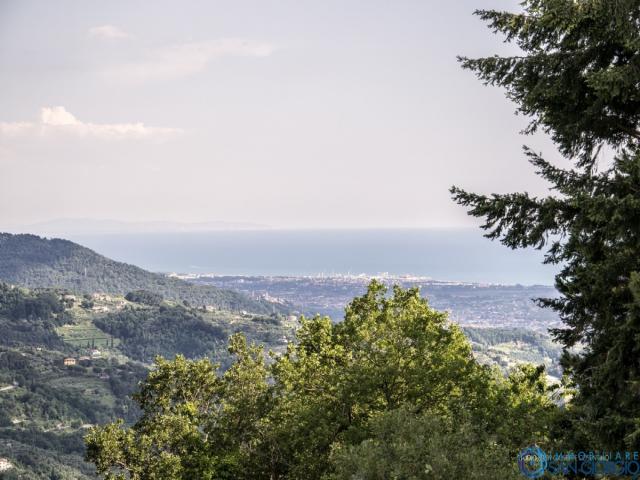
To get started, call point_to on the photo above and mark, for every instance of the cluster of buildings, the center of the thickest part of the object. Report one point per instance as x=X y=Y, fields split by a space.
x=93 y=355
x=469 y=304
x=114 y=303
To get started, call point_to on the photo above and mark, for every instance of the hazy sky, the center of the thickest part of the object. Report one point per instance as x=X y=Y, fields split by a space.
x=288 y=113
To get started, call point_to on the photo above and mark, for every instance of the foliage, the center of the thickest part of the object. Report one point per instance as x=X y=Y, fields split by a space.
x=33 y=463
x=145 y=297
x=407 y=445
x=494 y=336
x=194 y=423
x=30 y=317
x=578 y=80
x=16 y=303
x=332 y=396
x=166 y=331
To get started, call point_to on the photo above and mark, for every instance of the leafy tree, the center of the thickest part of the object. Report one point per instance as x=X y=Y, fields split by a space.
x=577 y=80
x=333 y=395
x=387 y=352
x=167 y=441
x=194 y=423
x=407 y=445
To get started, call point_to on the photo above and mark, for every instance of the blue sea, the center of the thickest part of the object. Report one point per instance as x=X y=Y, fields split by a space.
x=454 y=255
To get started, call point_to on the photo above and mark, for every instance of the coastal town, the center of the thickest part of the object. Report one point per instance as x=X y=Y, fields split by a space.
x=468 y=304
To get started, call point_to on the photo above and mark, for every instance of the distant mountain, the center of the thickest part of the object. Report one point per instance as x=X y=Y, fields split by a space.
x=35 y=262
x=90 y=226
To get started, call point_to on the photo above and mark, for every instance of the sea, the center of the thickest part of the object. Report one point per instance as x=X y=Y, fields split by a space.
x=462 y=255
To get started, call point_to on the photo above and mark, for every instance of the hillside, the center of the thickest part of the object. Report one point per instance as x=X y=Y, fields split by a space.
x=508 y=347
x=37 y=262
x=47 y=405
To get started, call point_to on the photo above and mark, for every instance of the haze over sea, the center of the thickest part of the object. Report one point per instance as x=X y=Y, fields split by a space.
x=454 y=255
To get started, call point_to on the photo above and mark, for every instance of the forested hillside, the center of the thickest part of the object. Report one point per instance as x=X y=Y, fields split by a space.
x=36 y=262
x=68 y=362
x=45 y=405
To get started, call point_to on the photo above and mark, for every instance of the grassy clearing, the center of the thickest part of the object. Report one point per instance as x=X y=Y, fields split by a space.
x=83 y=333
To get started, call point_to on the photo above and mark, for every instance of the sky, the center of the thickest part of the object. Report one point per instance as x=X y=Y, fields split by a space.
x=288 y=113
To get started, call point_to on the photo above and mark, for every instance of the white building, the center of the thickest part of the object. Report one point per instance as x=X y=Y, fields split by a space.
x=5 y=464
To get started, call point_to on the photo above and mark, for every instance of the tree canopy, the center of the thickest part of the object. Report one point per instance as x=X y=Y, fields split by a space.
x=577 y=79
x=325 y=407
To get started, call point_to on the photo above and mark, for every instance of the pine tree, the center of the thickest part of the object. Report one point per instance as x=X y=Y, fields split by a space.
x=578 y=81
